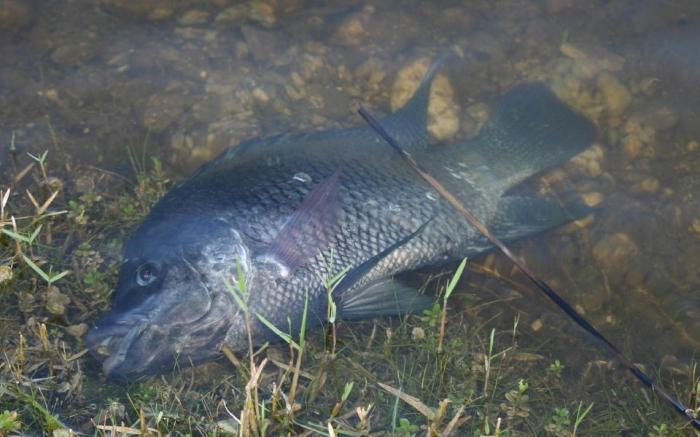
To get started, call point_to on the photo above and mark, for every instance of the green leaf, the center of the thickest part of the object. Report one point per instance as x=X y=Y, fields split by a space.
x=284 y=336
x=236 y=295
x=37 y=269
x=15 y=235
x=455 y=279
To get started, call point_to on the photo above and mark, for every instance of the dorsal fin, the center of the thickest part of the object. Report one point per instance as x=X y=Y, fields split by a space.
x=409 y=124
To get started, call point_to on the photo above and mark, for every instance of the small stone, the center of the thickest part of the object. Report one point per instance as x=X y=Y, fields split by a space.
x=592 y=199
x=443 y=111
x=615 y=95
x=5 y=273
x=77 y=331
x=193 y=17
x=537 y=325
x=695 y=226
x=616 y=252
x=351 y=32
x=418 y=334
x=56 y=301
x=262 y=13
x=230 y=16
x=260 y=95
x=589 y=161
x=648 y=185
x=632 y=146
x=692 y=146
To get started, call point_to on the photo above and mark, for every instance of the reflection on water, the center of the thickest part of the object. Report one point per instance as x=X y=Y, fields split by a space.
x=89 y=81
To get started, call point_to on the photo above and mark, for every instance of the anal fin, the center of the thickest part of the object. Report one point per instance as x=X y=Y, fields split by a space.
x=385 y=297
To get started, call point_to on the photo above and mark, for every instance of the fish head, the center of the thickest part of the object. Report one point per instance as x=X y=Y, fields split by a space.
x=172 y=305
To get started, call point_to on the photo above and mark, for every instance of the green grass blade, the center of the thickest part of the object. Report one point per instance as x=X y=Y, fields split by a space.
x=283 y=335
x=455 y=279
x=37 y=269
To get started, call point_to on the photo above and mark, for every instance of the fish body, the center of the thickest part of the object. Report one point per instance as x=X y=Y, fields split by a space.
x=277 y=218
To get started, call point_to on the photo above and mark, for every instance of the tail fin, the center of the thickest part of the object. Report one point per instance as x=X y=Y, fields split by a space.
x=530 y=130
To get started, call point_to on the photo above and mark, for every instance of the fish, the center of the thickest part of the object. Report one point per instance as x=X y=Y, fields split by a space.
x=257 y=238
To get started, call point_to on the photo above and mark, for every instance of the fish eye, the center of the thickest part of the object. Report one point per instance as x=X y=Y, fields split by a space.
x=145 y=274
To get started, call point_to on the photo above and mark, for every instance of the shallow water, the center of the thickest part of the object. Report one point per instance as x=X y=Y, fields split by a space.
x=97 y=84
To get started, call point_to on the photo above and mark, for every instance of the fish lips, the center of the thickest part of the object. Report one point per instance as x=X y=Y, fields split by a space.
x=111 y=340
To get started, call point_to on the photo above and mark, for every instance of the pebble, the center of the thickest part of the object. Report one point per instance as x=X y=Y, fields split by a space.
x=648 y=185
x=537 y=325
x=616 y=252
x=5 y=273
x=352 y=32
x=193 y=17
x=260 y=95
x=589 y=161
x=443 y=111
x=614 y=94
x=230 y=16
x=591 y=60
x=692 y=146
x=262 y=13
x=592 y=199
x=695 y=227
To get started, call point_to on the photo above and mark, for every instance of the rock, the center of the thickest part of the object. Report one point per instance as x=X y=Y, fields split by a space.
x=616 y=252
x=5 y=273
x=632 y=146
x=592 y=60
x=260 y=95
x=56 y=301
x=592 y=199
x=14 y=15
x=589 y=161
x=695 y=227
x=162 y=110
x=648 y=185
x=692 y=146
x=193 y=17
x=231 y=16
x=262 y=13
x=443 y=111
x=351 y=32
x=614 y=94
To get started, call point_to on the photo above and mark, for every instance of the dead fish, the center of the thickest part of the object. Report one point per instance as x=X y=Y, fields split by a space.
x=275 y=218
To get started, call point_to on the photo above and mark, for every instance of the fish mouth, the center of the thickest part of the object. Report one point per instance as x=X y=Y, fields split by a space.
x=111 y=341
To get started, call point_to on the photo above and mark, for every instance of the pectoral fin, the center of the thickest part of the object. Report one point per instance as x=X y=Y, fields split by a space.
x=309 y=229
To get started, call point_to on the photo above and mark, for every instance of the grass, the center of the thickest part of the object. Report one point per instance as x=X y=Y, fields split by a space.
x=468 y=366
